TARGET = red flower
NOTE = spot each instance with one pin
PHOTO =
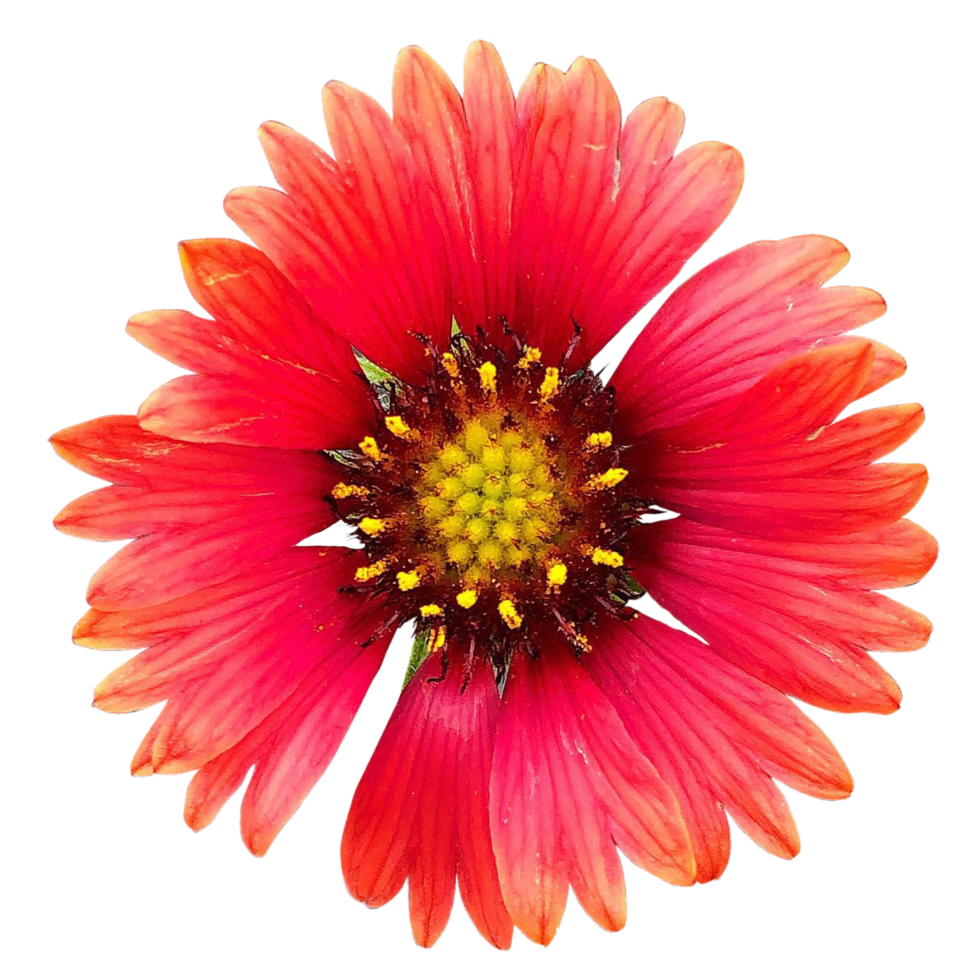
(499, 491)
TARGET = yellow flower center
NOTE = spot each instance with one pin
(492, 500)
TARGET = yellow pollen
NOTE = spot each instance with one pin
(451, 365)
(368, 572)
(408, 580)
(531, 356)
(550, 384)
(397, 427)
(343, 490)
(509, 614)
(429, 610)
(437, 640)
(607, 480)
(369, 446)
(557, 575)
(603, 556)
(466, 598)
(373, 525)
(488, 376)
(598, 440)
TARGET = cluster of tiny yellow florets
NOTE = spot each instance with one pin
(490, 500)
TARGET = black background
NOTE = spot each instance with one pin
(154, 131)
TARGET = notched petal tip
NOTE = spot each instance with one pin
(141, 765)
(791, 847)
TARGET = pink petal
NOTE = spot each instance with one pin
(711, 728)
(491, 116)
(769, 461)
(272, 372)
(298, 754)
(568, 782)
(164, 564)
(290, 748)
(670, 214)
(733, 322)
(568, 125)
(228, 675)
(798, 618)
(420, 811)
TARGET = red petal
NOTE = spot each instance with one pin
(887, 557)
(199, 512)
(767, 460)
(491, 115)
(567, 781)
(329, 277)
(223, 410)
(680, 701)
(732, 323)
(128, 629)
(226, 676)
(115, 448)
(796, 616)
(378, 162)
(298, 754)
(186, 638)
(274, 373)
(889, 365)
(672, 213)
(290, 748)
(568, 126)
(162, 565)
(420, 811)
(356, 238)
(431, 115)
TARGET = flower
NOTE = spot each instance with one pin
(408, 350)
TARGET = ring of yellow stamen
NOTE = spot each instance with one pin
(531, 356)
(397, 426)
(342, 491)
(604, 556)
(408, 580)
(488, 376)
(429, 610)
(373, 526)
(598, 440)
(450, 365)
(437, 640)
(550, 384)
(466, 599)
(557, 575)
(605, 481)
(367, 572)
(509, 614)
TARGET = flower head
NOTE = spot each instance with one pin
(408, 350)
